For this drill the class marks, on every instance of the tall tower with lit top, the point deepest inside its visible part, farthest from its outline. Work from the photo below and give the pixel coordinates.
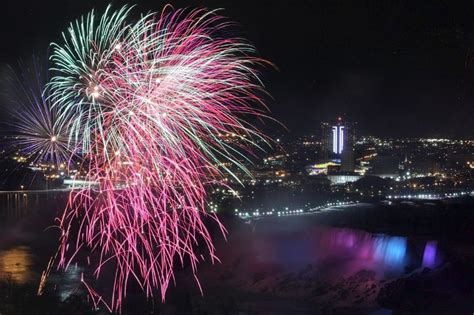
(338, 142)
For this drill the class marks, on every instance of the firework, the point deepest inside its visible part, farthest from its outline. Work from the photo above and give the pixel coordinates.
(146, 104)
(37, 130)
(79, 64)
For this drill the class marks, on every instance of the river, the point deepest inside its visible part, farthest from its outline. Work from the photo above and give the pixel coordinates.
(266, 265)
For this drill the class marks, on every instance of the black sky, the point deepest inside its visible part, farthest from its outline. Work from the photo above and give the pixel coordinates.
(397, 67)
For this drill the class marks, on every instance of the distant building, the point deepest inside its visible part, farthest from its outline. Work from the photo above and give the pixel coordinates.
(321, 168)
(338, 132)
(326, 140)
(341, 178)
(348, 160)
(337, 142)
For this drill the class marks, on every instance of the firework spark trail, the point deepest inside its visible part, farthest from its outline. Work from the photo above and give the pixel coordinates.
(146, 105)
(38, 132)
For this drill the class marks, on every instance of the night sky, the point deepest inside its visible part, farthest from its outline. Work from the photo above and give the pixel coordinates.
(399, 68)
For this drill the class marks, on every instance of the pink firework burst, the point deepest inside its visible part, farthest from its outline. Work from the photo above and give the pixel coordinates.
(146, 107)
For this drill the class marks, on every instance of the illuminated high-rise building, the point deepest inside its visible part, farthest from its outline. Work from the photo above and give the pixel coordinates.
(326, 140)
(337, 139)
(338, 142)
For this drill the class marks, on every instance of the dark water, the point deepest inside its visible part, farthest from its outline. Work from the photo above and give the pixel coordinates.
(28, 239)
